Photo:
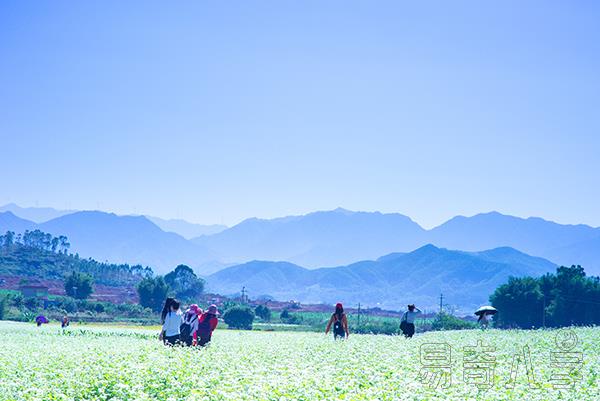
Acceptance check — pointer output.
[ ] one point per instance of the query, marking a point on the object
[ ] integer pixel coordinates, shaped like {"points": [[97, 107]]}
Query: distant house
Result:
{"points": [[34, 291]]}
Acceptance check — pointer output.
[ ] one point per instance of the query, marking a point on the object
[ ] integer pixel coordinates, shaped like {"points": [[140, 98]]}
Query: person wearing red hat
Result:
{"points": [[207, 323], [339, 322]]}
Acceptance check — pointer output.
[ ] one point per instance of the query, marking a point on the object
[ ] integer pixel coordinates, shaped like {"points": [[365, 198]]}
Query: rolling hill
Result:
{"points": [[126, 239], [10, 222], [117, 239], [465, 278]]}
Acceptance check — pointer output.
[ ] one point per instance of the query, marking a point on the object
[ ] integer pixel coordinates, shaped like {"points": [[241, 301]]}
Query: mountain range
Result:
{"points": [[107, 237], [465, 278], [327, 238], [184, 228]]}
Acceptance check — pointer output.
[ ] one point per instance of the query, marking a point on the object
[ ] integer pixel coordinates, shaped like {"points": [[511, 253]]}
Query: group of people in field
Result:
{"points": [[192, 328], [195, 327], [339, 322]]}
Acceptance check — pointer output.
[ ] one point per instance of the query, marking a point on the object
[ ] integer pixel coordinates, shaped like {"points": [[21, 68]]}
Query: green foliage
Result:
{"points": [[239, 317], [519, 303], [32, 303], [376, 326], [445, 321], [290, 318], [152, 292], [184, 283], [562, 299], [45, 258], [3, 302], [263, 312], [79, 285]]}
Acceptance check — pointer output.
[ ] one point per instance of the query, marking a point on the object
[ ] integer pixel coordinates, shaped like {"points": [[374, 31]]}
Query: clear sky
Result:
{"points": [[218, 111]]}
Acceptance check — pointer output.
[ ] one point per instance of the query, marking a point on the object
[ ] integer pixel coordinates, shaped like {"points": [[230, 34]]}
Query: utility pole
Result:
{"points": [[441, 302], [358, 319], [244, 295]]}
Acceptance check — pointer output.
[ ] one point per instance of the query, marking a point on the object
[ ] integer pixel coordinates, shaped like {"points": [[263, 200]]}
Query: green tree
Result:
{"points": [[152, 292], [184, 283], [239, 317], [519, 302], [2, 307], [562, 299], [79, 285], [8, 239], [263, 312]]}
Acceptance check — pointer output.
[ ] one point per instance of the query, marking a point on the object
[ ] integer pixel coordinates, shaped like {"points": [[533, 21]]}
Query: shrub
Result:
{"points": [[288, 318], [239, 317], [32, 303], [444, 321], [263, 312]]}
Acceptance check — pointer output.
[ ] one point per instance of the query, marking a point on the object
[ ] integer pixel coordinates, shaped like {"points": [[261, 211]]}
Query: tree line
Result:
{"points": [[36, 239], [47, 256], [567, 297]]}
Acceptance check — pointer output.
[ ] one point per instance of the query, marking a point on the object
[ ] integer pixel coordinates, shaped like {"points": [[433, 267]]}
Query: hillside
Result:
{"points": [[10, 222], [466, 279], [117, 239], [42, 264], [126, 239]]}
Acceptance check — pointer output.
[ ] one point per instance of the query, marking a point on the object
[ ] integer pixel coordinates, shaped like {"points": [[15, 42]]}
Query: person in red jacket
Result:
{"points": [[207, 323]]}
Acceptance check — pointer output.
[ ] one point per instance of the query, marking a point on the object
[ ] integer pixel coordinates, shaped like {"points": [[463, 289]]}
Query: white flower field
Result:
{"points": [[104, 363]]}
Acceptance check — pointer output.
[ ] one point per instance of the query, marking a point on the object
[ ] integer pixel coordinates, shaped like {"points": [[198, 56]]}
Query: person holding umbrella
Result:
{"points": [[484, 313]]}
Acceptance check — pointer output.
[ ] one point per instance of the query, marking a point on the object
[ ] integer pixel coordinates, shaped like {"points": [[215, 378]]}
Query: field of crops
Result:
{"points": [[104, 363]]}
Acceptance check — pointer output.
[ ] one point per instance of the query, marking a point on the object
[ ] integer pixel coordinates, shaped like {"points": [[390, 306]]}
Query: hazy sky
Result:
{"points": [[218, 111]]}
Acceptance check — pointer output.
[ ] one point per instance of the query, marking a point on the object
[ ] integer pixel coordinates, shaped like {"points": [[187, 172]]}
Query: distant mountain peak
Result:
{"points": [[342, 210], [427, 248]]}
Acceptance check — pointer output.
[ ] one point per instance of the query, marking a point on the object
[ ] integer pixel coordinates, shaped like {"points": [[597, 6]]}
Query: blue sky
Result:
{"points": [[218, 111]]}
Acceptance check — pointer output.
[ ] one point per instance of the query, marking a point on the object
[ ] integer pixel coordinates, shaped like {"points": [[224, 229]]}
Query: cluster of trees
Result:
{"points": [[565, 298], [181, 283], [40, 254], [36, 239], [79, 285]]}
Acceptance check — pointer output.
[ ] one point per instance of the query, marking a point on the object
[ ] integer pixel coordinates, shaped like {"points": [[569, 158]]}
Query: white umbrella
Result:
{"points": [[488, 310]]}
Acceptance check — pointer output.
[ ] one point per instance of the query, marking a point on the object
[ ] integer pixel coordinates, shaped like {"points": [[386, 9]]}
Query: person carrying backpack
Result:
{"points": [[189, 326], [207, 323], [407, 323], [340, 323]]}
